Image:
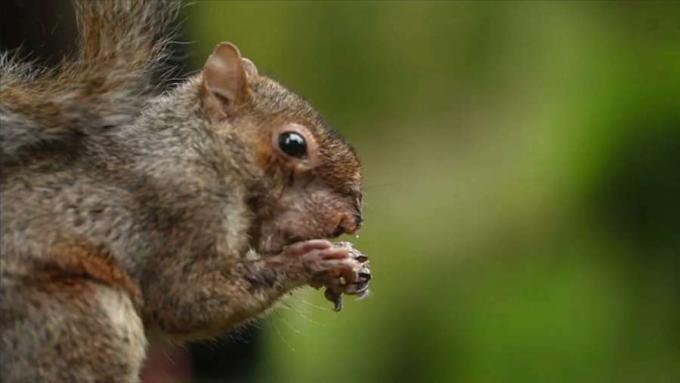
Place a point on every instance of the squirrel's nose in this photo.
(349, 224)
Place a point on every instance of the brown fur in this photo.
(72, 263)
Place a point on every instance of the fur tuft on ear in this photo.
(225, 85)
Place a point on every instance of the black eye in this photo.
(293, 144)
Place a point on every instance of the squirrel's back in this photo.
(120, 46)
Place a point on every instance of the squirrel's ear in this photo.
(249, 67)
(224, 81)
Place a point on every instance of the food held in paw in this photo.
(360, 283)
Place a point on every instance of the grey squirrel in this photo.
(127, 215)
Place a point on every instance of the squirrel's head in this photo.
(309, 179)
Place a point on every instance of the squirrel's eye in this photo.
(293, 144)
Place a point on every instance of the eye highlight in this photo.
(293, 144)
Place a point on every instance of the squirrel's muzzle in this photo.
(349, 224)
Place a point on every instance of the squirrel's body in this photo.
(126, 213)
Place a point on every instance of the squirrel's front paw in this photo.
(340, 268)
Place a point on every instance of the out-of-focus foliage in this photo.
(522, 185)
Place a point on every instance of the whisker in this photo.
(301, 314)
(291, 328)
(312, 305)
(278, 332)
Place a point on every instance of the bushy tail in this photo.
(121, 43)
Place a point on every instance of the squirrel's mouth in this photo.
(275, 242)
(270, 235)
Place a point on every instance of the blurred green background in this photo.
(522, 185)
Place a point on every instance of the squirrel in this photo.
(129, 214)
